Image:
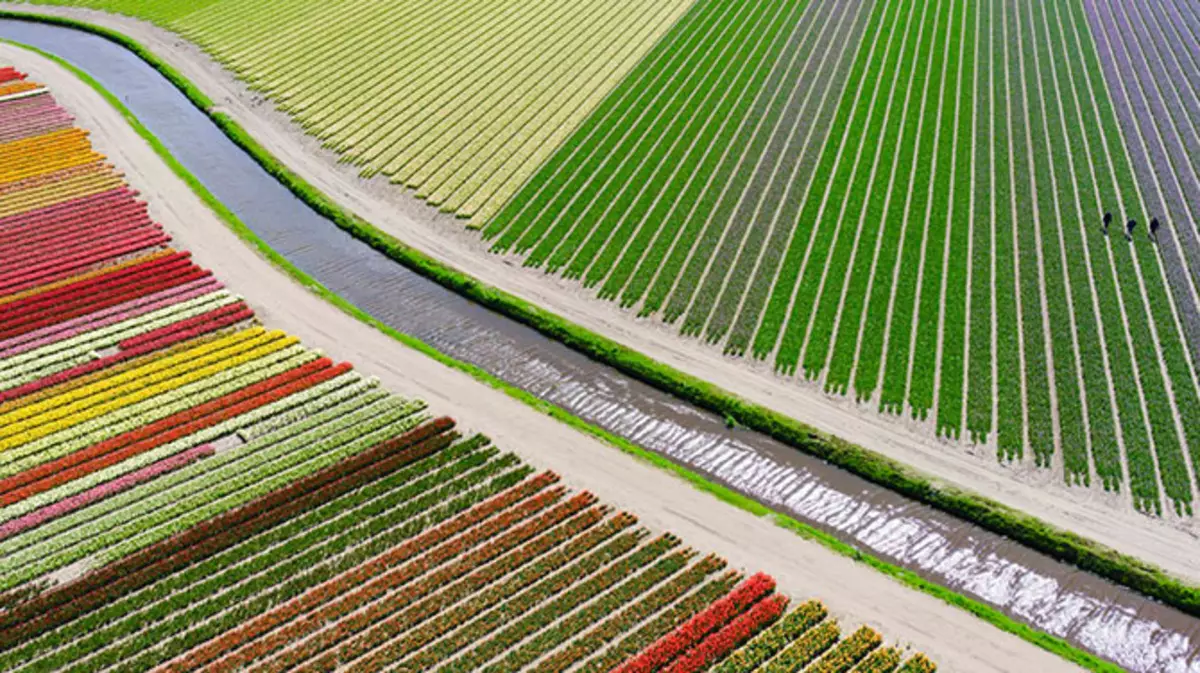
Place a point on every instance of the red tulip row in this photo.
(341, 598)
(649, 633)
(719, 644)
(10, 74)
(687, 635)
(380, 609)
(218, 319)
(632, 615)
(30, 308)
(99, 456)
(74, 263)
(582, 554)
(65, 602)
(65, 238)
(230, 641)
(82, 301)
(514, 565)
(106, 281)
(82, 219)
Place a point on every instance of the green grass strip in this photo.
(989, 514)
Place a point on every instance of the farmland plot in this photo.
(459, 100)
(904, 200)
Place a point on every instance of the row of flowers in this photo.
(175, 427)
(552, 551)
(594, 611)
(580, 558)
(43, 355)
(665, 622)
(160, 369)
(38, 420)
(695, 629)
(775, 639)
(98, 493)
(720, 643)
(135, 519)
(202, 325)
(84, 303)
(60, 604)
(223, 651)
(69, 265)
(848, 652)
(552, 598)
(805, 648)
(308, 554)
(95, 289)
(129, 418)
(630, 616)
(342, 601)
(483, 565)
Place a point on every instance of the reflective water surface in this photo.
(1096, 615)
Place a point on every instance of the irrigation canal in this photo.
(1092, 613)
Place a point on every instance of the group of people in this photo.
(1131, 225)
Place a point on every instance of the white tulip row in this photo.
(32, 365)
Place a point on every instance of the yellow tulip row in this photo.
(45, 154)
(77, 406)
(71, 188)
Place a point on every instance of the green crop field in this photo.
(901, 199)
(898, 201)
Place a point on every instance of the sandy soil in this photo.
(1107, 518)
(855, 593)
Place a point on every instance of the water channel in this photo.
(1094, 614)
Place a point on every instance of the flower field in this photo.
(904, 201)
(183, 488)
(901, 203)
(417, 104)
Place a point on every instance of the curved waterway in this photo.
(1094, 614)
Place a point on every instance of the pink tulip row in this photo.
(98, 493)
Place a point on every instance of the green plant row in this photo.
(647, 558)
(1057, 543)
(190, 606)
(592, 613)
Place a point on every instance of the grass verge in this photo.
(1062, 545)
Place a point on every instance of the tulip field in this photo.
(183, 488)
(980, 215)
